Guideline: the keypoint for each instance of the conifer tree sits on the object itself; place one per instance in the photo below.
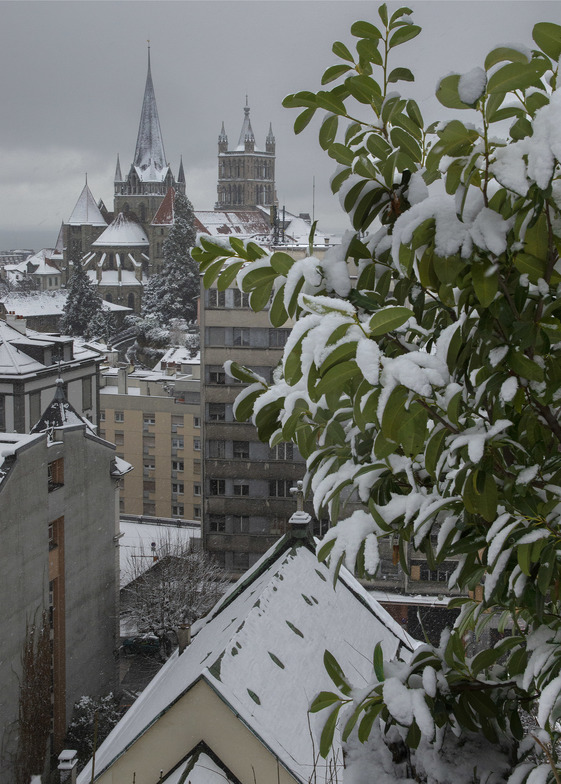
(172, 293)
(83, 303)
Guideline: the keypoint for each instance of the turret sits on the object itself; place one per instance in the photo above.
(222, 140)
(270, 140)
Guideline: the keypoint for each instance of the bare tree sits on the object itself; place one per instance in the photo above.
(171, 585)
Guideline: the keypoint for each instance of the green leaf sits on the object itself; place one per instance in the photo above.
(281, 262)
(485, 282)
(341, 51)
(244, 408)
(365, 30)
(502, 53)
(433, 451)
(406, 143)
(303, 120)
(392, 417)
(368, 51)
(529, 265)
(524, 366)
(328, 131)
(277, 313)
(334, 72)
(514, 76)
(379, 662)
(388, 319)
(212, 272)
(228, 275)
(326, 740)
(405, 33)
(383, 13)
(341, 154)
(377, 145)
(330, 101)
(336, 674)
(545, 572)
(336, 378)
(363, 88)
(448, 94)
(242, 373)
(323, 700)
(401, 74)
(547, 35)
(412, 432)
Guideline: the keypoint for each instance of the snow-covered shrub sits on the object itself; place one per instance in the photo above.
(430, 386)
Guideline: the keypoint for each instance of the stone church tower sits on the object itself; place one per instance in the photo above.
(246, 174)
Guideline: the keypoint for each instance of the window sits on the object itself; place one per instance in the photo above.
(149, 486)
(217, 412)
(177, 443)
(177, 465)
(101, 433)
(217, 523)
(282, 452)
(34, 408)
(102, 415)
(86, 393)
(177, 421)
(216, 299)
(149, 419)
(197, 467)
(177, 510)
(216, 448)
(149, 508)
(241, 487)
(119, 416)
(55, 474)
(119, 438)
(216, 377)
(196, 421)
(240, 523)
(148, 442)
(241, 299)
(177, 487)
(278, 338)
(280, 488)
(215, 336)
(149, 465)
(241, 336)
(217, 487)
(197, 444)
(241, 450)
(196, 489)
(197, 512)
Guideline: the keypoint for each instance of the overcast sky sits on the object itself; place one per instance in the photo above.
(73, 75)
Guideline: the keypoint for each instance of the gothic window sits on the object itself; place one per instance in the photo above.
(143, 213)
(109, 298)
(130, 301)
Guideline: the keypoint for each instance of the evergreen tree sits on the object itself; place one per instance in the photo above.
(427, 388)
(83, 303)
(172, 293)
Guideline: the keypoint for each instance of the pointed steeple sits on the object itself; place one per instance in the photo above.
(270, 140)
(59, 413)
(181, 173)
(149, 153)
(222, 135)
(118, 175)
(86, 212)
(246, 135)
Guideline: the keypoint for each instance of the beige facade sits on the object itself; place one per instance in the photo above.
(153, 418)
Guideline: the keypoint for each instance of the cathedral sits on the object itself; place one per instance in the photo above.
(120, 249)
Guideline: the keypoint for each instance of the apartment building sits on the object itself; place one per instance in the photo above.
(59, 561)
(154, 420)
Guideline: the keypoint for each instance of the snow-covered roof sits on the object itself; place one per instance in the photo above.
(137, 539)
(261, 648)
(243, 223)
(149, 156)
(46, 303)
(111, 278)
(123, 231)
(178, 355)
(165, 214)
(86, 211)
(246, 131)
(10, 443)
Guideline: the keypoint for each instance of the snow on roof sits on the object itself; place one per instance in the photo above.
(44, 303)
(149, 156)
(137, 539)
(202, 769)
(111, 278)
(122, 232)
(244, 223)
(178, 355)
(120, 467)
(86, 211)
(10, 443)
(260, 649)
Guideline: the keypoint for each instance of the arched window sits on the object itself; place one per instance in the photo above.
(143, 213)
(108, 298)
(130, 300)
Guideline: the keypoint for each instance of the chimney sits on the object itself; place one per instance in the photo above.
(183, 637)
(16, 322)
(67, 765)
(122, 383)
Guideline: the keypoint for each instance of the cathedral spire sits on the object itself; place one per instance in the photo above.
(181, 173)
(118, 175)
(149, 154)
(246, 134)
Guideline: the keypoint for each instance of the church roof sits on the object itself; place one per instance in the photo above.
(260, 650)
(165, 214)
(60, 412)
(86, 211)
(242, 223)
(122, 232)
(247, 130)
(149, 156)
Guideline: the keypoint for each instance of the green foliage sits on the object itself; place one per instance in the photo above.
(421, 379)
(82, 310)
(173, 292)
